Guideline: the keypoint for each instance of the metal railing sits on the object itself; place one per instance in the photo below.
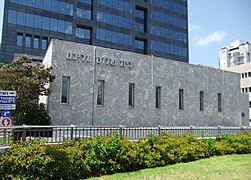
(58, 134)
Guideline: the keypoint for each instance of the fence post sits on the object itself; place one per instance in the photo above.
(4, 136)
(159, 132)
(219, 130)
(72, 129)
(24, 131)
(242, 128)
(121, 130)
(191, 130)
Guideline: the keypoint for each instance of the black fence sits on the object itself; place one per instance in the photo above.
(57, 134)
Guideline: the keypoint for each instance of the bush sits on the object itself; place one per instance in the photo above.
(96, 156)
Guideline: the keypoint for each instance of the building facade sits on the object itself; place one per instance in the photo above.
(234, 54)
(101, 86)
(245, 83)
(158, 27)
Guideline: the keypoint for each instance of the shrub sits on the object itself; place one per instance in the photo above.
(96, 156)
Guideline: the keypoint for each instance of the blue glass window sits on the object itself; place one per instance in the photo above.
(29, 20)
(140, 46)
(49, 5)
(86, 1)
(114, 20)
(44, 42)
(84, 34)
(169, 19)
(12, 17)
(115, 4)
(38, 22)
(19, 39)
(172, 6)
(140, 20)
(113, 36)
(168, 48)
(21, 18)
(83, 13)
(36, 42)
(28, 41)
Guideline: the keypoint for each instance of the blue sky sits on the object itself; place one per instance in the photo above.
(212, 25)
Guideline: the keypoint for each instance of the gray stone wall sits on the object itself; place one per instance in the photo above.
(146, 73)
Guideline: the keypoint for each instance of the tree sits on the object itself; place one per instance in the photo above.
(1, 64)
(29, 80)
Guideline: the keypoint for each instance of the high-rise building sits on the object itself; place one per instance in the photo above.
(235, 53)
(157, 27)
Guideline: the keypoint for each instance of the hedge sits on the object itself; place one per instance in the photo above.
(84, 158)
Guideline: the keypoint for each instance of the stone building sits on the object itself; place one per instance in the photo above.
(101, 86)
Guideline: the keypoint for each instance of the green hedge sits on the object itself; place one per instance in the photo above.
(105, 155)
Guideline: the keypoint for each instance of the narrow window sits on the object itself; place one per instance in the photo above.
(36, 42)
(201, 100)
(158, 96)
(19, 39)
(44, 42)
(219, 102)
(131, 99)
(28, 41)
(65, 90)
(100, 93)
(181, 99)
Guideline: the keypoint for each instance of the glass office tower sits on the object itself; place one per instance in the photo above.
(153, 27)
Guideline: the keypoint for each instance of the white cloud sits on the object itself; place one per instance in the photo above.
(193, 27)
(211, 38)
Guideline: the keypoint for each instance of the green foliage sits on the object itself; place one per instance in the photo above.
(1, 65)
(29, 81)
(97, 156)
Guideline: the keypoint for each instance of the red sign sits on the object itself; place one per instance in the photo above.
(6, 121)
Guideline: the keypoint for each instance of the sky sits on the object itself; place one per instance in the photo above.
(213, 24)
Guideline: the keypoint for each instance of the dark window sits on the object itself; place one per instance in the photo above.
(100, 93)
(201, 101)
(44, 42)
(36, 42)
(131, 97)
(140, 21)
(19, 39)
(219, 102)
(28, 41)
(181, 99)
(249, 104)
(85, 34)
(242, 114)
(158, 97)
(65, 90)
(140, 46)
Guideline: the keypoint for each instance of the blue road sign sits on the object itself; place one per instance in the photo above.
(8, 100)
(6, 113)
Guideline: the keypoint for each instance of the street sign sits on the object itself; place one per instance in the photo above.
(6, 113)
(6, 121)
(8, 100)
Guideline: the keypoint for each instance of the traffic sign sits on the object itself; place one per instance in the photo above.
(6, 113)
(8, 100)
(6, 121)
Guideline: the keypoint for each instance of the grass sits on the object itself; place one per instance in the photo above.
(221, 167)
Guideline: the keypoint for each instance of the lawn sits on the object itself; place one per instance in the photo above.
(222, 167)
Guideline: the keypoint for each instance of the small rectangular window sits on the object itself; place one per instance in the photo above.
(44, 42)
(19, 39)
(181, 99)
(219, 102)
(65, 90)
(100, 93)
(131, 97)
(36, 42)
(249, 104)
(201, 101)
(158, 97)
